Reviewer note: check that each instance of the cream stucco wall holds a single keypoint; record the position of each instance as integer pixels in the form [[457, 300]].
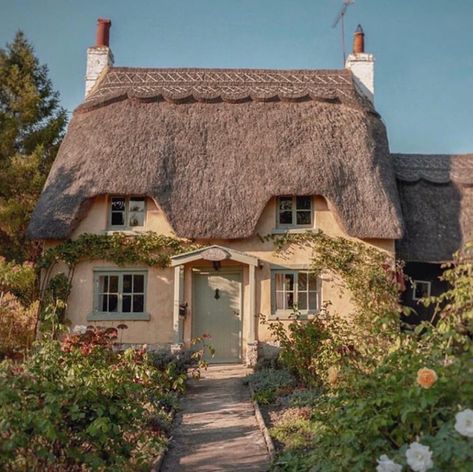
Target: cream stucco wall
[[160, 290]]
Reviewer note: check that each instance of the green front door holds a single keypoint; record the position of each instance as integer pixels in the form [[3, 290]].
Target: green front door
[[217, 312]]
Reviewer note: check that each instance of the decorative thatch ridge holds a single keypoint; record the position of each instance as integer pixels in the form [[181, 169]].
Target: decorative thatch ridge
[[436, 194], [228, 85], [213, 167]]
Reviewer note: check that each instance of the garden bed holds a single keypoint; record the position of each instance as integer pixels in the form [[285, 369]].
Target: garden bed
[[78, 405]]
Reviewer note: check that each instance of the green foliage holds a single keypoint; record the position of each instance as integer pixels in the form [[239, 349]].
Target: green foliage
[[17, 307], [454, 307], [32, 124], [19, 280], [304, 397], [383, 411], [77, 405], [151, 249], [311, 347], [371, 277], [379, 407], [54, 304], [294, 429], [268, 383]]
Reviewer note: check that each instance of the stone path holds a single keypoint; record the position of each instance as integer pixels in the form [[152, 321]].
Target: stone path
[[217, 430]]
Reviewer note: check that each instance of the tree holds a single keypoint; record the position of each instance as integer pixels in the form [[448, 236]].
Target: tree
[[32, 125]]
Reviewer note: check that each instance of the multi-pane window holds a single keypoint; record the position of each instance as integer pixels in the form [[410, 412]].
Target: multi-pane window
[[294, 211], [120, 292], [420, 289], [127, 212], [295, 290]]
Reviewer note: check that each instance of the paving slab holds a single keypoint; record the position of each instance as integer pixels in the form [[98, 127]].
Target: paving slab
[[216, 429]]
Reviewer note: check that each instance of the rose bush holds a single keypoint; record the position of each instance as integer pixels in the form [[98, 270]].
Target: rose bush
[[76, 405], [391, 399]]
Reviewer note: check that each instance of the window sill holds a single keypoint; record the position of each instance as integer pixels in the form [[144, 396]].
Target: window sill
[[127, 231], [118, 317], [292, 230], [289, 315]]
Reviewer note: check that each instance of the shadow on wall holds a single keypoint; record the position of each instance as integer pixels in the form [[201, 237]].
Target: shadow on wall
[[61, 205]]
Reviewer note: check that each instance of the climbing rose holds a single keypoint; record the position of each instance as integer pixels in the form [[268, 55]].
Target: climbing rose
[[385, 464], [426, 377], [79, 329], [419, 457], [464, 423]]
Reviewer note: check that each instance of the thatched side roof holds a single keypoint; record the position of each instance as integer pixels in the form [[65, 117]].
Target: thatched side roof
[[436, 194], [213, 147]]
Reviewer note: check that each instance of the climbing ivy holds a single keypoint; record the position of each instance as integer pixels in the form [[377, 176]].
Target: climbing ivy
[[150, 249], [371, 276]]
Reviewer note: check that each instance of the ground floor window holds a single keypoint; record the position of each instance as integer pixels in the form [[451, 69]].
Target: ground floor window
[[295, 290], [420, 289], [120, 292]]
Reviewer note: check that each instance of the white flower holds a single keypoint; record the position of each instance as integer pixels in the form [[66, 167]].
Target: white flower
[[385, 464], [79, 329], [419, 457], [464, 423]]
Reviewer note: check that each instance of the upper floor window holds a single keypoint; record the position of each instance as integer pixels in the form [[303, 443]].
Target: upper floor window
[[294, 211], [127, 212], [295, 290]]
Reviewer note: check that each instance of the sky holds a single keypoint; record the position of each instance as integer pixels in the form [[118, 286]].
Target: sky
[[423, 49]]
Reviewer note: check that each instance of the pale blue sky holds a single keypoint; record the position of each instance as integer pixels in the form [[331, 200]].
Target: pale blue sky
[[423, 49]]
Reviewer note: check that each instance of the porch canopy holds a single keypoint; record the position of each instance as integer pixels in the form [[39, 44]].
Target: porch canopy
[[213, 253]]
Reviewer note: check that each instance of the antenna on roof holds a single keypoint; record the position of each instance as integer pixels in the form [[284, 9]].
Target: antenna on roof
[[341, 19]]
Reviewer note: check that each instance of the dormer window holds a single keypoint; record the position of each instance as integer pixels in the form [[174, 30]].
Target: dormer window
[[294, 212], [127, 212]]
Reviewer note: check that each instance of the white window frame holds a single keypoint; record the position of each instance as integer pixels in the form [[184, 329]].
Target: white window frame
[[287, 312], [414, 284], [126, 226], [294, 212], [99, 315]]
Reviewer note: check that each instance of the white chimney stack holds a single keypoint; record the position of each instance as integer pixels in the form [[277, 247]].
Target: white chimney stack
[[100, 56], [362, 65]]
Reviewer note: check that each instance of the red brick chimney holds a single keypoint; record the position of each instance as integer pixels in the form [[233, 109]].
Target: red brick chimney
[[103, 33], [359, 41], [362, 65], [99, 57]]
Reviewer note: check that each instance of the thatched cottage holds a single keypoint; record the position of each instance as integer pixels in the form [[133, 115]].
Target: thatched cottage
[[222, 156]]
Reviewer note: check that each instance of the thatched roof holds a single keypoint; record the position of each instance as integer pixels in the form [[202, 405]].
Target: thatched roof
[[436, 194], [212, 147]]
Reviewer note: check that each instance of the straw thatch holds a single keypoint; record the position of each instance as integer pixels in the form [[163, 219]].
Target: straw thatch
[[436, 194], [213, 147]]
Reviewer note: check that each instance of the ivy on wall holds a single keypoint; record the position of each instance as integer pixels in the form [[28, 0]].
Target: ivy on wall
[[150, 249], [373, 278]]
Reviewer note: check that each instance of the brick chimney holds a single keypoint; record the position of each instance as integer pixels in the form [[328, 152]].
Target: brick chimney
[[100, 56], [362, 65]]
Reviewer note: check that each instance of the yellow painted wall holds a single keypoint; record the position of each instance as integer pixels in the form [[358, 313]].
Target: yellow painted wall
[[160, 290]]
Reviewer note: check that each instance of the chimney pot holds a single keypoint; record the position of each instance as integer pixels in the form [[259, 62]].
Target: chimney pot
[[103, 33], [359, 41]]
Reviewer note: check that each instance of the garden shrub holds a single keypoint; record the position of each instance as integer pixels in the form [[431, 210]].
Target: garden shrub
[[409, 409], [382, 412], [303, 398], [77, 405], [268, 383], [17, 308], [315, 349], [294, 429], [16, 326]]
